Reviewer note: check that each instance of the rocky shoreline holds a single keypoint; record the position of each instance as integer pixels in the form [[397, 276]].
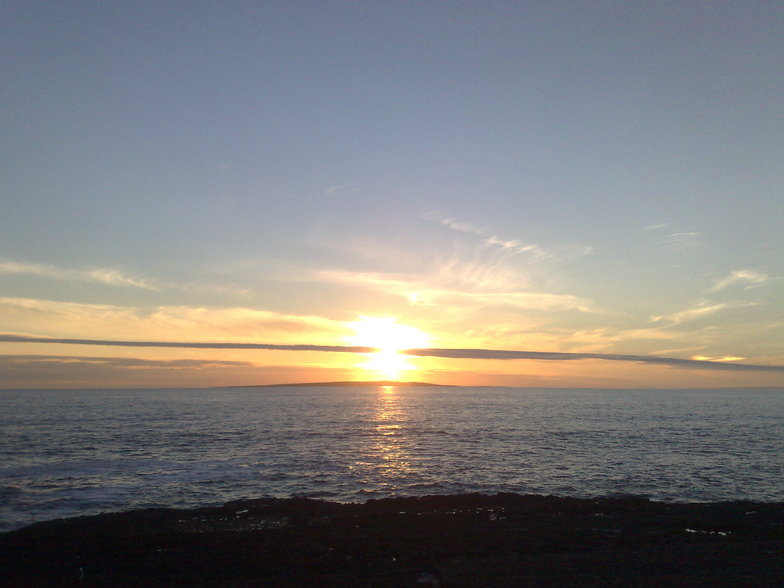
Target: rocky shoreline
[[460, 540]]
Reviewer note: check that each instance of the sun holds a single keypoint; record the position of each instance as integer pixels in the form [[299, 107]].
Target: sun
[[389, 338]]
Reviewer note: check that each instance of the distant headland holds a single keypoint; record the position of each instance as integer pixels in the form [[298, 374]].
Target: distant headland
[[353, 383]]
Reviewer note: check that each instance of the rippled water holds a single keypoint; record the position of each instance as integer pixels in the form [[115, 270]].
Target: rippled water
[[68, 452]]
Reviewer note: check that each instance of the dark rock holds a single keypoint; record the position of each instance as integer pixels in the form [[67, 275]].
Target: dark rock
[[462, 540]]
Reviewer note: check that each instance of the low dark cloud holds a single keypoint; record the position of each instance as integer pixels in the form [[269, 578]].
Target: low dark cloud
[[557, 356], [184, 345], [498, 354], [40, 361], [45, 372], [60, 372]]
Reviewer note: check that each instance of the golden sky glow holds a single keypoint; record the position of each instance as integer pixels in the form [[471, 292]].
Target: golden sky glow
[[510, 186]]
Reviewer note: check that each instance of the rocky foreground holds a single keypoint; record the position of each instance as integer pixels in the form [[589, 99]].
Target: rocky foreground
[[465, 540]]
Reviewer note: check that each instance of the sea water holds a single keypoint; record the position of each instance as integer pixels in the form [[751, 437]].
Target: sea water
[[73, 452]]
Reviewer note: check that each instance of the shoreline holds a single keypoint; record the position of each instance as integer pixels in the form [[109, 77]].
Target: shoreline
[[454, 540]]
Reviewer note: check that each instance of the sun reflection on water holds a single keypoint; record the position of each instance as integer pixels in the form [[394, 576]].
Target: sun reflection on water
[[384, 454]]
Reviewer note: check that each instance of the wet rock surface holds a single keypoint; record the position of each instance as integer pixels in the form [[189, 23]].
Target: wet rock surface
[[462, 540]]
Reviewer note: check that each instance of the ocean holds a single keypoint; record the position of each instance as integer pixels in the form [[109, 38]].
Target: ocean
[[73, 452]]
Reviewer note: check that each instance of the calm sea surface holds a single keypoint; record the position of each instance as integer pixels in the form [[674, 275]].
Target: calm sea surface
[[72, 452]]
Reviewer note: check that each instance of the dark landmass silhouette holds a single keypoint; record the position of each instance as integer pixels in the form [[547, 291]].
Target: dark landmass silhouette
[[457, 541], [394, 383]]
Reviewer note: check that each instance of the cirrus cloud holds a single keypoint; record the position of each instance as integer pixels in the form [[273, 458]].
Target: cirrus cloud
[[105, 276], [750, 278]]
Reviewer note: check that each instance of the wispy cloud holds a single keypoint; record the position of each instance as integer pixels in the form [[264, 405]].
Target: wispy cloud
[[490, 354], [515, 246], [701, 310], [120, 362], [750, 278], [480, 270], [115, 278], [453, 223], [119, 279], [107, 277], [449, 287], [682, 240], [28, 315], [217, 289], [704, 308], [674, 240], [339, 189], [474, 270]]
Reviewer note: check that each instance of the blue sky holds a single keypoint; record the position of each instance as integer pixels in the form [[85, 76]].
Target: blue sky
[[560, 177]]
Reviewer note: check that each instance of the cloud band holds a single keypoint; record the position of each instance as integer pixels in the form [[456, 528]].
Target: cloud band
[[499, 354], [558, 356], [185, 345]]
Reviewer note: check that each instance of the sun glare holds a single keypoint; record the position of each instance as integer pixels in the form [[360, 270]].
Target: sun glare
[[389, 338]]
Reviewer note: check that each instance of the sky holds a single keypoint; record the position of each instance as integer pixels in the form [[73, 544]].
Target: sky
[[569, 194]]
